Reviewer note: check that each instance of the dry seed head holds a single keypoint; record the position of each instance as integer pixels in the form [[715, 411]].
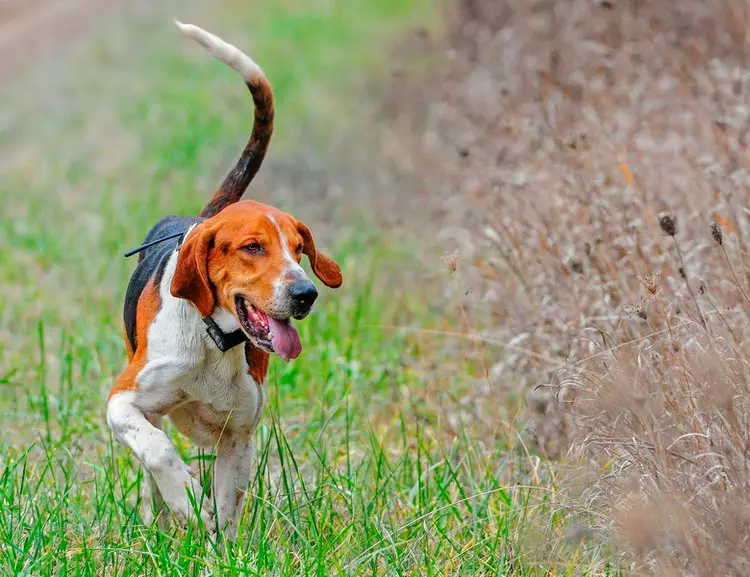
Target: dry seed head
[[637, 310], [668, 223], [651, 282], [717, 233], [451, 260], [576, 265]]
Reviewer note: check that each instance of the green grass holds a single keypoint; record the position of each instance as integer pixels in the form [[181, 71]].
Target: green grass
[[359, 470]]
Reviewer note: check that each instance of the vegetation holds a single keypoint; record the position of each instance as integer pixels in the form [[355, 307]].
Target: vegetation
[[593, 157], [360, 468]]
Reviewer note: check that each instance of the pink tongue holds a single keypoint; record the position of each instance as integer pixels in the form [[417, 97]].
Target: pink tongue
[[285, 339]]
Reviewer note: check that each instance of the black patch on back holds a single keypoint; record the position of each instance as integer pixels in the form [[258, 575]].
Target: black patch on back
[[151, 264]]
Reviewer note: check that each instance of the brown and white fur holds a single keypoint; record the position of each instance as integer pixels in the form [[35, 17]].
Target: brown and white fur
[[238, 263]]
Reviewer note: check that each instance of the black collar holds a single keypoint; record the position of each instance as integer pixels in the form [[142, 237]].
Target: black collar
[[224, 341]]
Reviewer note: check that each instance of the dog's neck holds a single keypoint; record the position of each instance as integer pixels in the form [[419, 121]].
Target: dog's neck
[[225, 331]]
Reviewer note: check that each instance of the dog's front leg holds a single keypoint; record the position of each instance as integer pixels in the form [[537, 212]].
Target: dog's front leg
[[159, 457], [232, 472]]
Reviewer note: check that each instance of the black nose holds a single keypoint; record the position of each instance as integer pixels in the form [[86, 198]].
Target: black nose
[[303, 295]]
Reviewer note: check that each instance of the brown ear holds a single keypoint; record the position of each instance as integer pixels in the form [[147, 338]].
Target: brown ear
[[325, 268], [190, 279]]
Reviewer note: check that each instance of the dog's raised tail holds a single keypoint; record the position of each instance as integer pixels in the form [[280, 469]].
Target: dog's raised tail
[[236, 182]]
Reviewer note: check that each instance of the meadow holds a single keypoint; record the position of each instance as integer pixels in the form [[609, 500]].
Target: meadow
[[368, 461]]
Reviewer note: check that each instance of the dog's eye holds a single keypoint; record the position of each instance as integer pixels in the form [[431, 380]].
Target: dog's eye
[[253, 248], [298, 250]]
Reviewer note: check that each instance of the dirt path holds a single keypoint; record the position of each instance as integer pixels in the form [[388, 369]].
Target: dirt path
[[31, 28]]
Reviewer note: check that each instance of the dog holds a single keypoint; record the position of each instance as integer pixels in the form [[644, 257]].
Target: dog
[[209, 300]]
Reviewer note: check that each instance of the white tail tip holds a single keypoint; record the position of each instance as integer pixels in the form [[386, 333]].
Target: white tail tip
[[227, 53]]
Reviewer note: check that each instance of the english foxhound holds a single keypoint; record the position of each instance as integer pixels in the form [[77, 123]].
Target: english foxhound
[[231, 278]]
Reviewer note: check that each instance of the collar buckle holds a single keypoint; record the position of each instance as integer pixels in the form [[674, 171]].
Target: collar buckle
[[224, 341]]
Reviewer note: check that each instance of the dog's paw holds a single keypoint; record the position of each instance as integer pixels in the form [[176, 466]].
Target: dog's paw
[[200, 508], [208, 518]]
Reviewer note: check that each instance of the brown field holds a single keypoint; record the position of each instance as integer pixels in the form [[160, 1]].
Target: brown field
[[30, 29], [589, 162]]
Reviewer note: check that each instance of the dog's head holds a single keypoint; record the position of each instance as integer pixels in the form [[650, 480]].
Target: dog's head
[[246, 261]]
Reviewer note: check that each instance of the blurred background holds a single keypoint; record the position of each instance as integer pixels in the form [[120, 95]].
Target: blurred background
[[538, 363]]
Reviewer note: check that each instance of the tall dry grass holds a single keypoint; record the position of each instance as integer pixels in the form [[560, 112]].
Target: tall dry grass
[[590, 162]]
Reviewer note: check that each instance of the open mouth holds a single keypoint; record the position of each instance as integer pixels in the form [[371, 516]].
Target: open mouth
[[267, 333]]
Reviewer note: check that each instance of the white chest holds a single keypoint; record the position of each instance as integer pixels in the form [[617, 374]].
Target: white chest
[[183, 362]]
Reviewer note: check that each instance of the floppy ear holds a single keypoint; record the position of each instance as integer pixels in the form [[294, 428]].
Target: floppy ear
[[190, 279], [325, 268]]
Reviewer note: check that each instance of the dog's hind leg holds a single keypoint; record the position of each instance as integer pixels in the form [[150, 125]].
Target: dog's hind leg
[[232, 472], [152, 503]]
